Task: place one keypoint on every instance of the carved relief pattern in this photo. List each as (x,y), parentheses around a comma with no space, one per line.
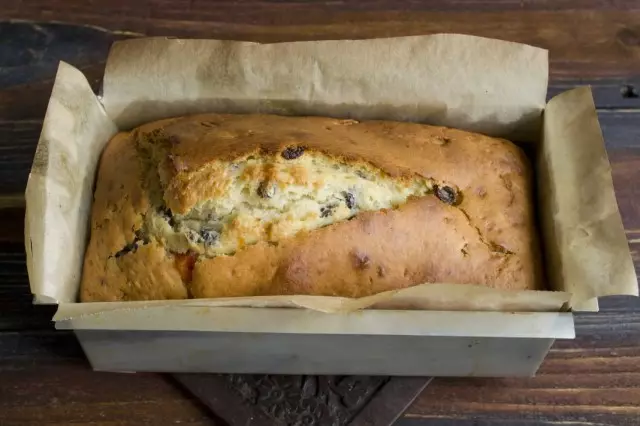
(306,400)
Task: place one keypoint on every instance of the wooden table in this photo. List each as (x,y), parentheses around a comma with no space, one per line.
(44,379)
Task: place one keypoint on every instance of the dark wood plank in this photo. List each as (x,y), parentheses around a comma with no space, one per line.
(31,52)
(591,39)
(17,311)
(45,380)
(190,7)
(608,93)
(12,216)
(28,62)
(18,141)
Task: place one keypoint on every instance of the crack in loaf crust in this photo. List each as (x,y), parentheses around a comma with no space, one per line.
(242,205)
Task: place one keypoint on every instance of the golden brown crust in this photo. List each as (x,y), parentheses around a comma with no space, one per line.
(488,238)
(119,203)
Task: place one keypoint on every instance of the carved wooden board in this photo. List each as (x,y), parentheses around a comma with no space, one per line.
(252,400)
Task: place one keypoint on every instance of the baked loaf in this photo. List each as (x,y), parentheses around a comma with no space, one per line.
(222,205)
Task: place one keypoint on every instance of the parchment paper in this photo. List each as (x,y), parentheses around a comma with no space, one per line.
(60,186)
(585,243)
(480,84)
(467,82)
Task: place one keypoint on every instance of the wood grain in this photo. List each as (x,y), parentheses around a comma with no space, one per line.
(17,147)
(46,380)
(581,41)
(17,311)
(31,51)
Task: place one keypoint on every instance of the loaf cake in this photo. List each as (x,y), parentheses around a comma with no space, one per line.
(224,205)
